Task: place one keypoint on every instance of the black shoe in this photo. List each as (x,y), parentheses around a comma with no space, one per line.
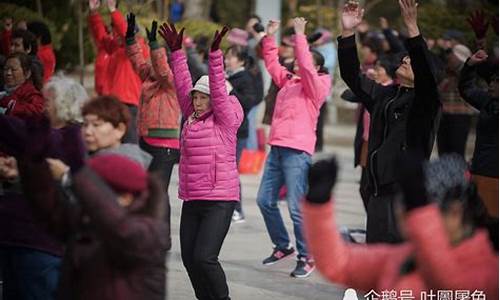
(304,268)
(277,255)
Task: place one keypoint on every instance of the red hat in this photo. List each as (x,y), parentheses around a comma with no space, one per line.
(122,174)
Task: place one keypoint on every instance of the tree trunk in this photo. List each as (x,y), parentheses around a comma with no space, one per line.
(39,7)
(79,12)
(197,9)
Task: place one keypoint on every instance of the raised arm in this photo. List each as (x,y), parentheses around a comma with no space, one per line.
(315,86)
(365,89)
(356,266)
(117,19)
(227,109)
(182,77)
(425,82)
(159,59)
(469,91)
(279,73)
(141,66)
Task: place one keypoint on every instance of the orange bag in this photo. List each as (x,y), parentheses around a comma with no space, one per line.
(251,161)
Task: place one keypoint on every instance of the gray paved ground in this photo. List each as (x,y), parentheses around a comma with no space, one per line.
(248,243)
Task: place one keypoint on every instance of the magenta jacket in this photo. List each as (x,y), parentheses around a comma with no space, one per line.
(299,99)
(207,169)
(471,265)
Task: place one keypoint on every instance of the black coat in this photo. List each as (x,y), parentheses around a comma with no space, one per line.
(245,89)
(402,119)
(485,158)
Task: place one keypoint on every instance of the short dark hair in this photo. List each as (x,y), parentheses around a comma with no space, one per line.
(255,16)
(319,60)
(40,30)
(29,39)
(108,108)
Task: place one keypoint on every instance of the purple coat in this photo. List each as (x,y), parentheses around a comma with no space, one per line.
(207,169)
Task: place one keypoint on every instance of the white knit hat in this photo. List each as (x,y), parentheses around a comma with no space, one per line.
(202,86)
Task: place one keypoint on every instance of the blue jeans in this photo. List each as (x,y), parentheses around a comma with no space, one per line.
(288,166)
(252,143)
(28,273)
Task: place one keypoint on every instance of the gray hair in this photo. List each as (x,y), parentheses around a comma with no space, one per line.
(69,97)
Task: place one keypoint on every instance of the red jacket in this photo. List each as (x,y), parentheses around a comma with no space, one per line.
(24,102)
(46,56)
(471,265)
(120,78)
(5,40)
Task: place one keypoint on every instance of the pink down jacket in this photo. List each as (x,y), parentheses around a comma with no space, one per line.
(207,169)
(299,99)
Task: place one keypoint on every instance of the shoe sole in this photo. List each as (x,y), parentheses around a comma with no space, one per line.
(275,262)
(305,275)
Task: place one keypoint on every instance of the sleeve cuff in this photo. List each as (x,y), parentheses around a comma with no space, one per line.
(347,42)
(415,42)
(130,41)
(153,45)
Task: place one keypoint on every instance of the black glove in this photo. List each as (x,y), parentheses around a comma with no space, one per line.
(152,34)
(322,178)
(258,27)
(130,26)
(411,179)
(313,37)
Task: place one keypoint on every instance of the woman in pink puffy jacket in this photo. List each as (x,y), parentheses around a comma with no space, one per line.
(208,176)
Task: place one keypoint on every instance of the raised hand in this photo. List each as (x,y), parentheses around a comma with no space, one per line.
(152,34)
(409,14)
(111,5)
(171,36)
(477,58)
(272,27)
(322,178)
(8,168)
(479,24)
(299,24)
(57,168)
(218,38)
(94,5)
(130,26)
(352,16)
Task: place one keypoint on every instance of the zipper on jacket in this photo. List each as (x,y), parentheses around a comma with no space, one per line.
(386,129)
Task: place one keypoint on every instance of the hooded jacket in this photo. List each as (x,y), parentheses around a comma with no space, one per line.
(207,169)
(299,99)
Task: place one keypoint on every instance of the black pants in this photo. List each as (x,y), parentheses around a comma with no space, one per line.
(453,132)
(363,188)
(323,112)
(162,164)
(204,225)
(381,223)
(131,136)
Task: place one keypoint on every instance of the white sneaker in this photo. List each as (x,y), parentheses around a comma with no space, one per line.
(238,217)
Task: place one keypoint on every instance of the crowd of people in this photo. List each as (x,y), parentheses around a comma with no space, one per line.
(84,203)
